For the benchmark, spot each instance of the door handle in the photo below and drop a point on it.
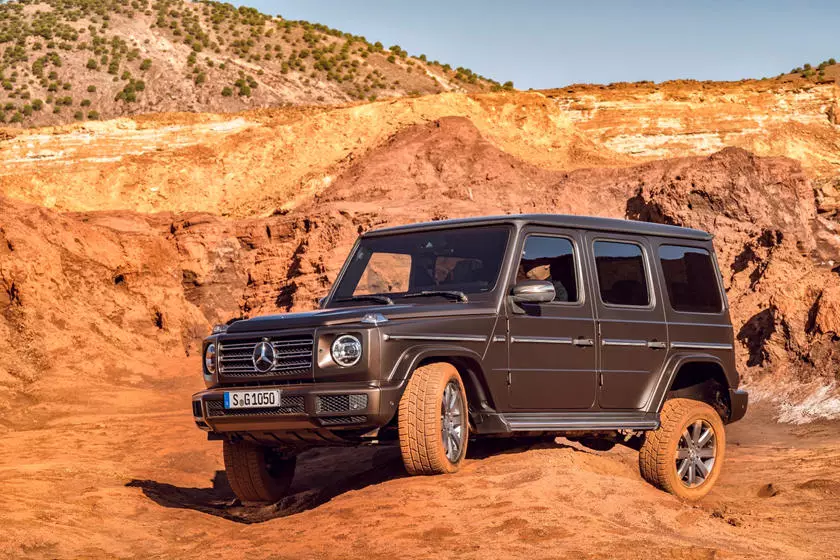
(583, 342)
(656, 345)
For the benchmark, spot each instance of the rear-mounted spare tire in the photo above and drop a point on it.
(257, 474)
(433, 421)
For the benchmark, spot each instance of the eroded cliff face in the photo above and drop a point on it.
(96, 296)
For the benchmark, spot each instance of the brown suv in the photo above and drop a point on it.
(601, 330)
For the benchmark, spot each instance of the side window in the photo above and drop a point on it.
(551, 259)
(385, 273)
(691, 279)
(621, 273)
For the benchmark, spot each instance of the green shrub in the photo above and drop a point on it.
(91, 64)
(27, 110)
(227, 92)
(85, 103)
(78, 115)
(145, 65)
(17, 117)
(93, 115)
(37, 104)
(91, 89)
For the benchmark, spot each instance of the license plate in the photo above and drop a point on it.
(261, 398)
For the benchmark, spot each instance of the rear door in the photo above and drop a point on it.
(632, 332)
(552, 354)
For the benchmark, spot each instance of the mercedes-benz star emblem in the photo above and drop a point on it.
(263, 356)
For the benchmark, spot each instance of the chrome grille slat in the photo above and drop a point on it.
(292, 357)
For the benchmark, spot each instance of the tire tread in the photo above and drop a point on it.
(418, 420)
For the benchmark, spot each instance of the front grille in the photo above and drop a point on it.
(292, 357)
(292, 404)
(335, 420)
(341, 403)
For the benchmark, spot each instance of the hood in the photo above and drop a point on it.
(342, 315)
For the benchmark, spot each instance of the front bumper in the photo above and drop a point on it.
(311, 412)
(738, 401)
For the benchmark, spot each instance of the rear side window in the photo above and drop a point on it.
(551, 259)
(691, 279)
(621, 273)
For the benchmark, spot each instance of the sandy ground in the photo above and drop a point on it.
(145, 483)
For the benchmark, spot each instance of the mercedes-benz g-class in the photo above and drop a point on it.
(433, 334)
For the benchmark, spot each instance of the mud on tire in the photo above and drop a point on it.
(666, 454)
(257, 474)
(423, 421)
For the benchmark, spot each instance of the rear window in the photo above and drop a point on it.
(691, 279)
(621, 273)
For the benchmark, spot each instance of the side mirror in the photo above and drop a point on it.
(533, 291)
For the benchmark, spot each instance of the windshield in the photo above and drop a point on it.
(466, 260)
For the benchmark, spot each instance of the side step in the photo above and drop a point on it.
(566, 421)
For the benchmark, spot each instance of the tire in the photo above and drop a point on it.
(257, 474)
(421, 421)
(683, 476)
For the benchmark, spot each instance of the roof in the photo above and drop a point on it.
(559, 220)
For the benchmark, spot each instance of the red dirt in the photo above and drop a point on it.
(100, 309)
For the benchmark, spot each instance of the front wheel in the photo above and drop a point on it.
(257, 474)
(685, 455)
(433, 421)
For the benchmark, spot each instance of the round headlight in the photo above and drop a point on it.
(210, 358)
(346, 350)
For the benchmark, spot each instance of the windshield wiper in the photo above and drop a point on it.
(371, 297)
(457, 295)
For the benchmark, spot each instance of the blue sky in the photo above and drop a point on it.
(542, 44)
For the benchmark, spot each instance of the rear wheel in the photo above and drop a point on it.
(685, 455)
(257, 474)
(433, 422)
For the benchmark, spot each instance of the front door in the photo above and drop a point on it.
(552, 352)
(633, 334)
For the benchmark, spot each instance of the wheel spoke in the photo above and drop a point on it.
(691, 473)
(687, 438)
(701, 468)
(706, 453)
(451, 400)
(705, 437)
(683, 468)
(696, 428)
(447, 443)
(456, 445)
